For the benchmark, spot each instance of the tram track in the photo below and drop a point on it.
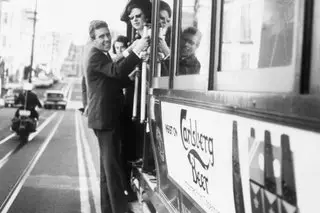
(15, 189)
(85, 152)
(7, 138)
(7, 156)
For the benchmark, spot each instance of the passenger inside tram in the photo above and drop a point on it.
(118, 47)
(189, 63)
(165, 21)
(189, 43)
(139, 15)
(165, 30)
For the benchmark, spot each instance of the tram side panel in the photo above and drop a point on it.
(169, 193)
(220, 162)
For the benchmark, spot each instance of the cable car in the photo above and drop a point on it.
(232, 112)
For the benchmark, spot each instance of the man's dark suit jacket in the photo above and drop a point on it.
(105, 80)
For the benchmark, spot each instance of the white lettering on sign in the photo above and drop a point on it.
(193, 139)
(197, 144)
(171, 130)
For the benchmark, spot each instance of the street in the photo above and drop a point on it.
(57, 170)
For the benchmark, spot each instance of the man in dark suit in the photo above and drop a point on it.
(105, 79)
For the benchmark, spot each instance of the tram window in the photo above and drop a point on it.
(259, 38)
(195, 37)
(161, 75)
(315, 63)
(257, 34)
(165, 34)
(193, 65)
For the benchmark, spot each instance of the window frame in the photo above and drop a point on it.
(195, 82)
(314, 86)
(242, 80)
(162, 82)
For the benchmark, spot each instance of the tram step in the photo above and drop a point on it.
(144, 185)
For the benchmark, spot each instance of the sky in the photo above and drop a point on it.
(74, 16)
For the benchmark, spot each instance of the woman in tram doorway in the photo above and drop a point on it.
(137, 13)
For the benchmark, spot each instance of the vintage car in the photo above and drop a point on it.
(11, 96)
(55, 99)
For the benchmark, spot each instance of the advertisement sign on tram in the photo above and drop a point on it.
(227, 163)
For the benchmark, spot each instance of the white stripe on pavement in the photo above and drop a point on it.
(26, 173)
(33, 134)
(92, 171)
(5, 159)
(7, 138)
(84, 196)
(45, 123)
(70, 91)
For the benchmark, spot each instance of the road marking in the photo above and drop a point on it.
(70, 91)
(84, 196)
(55, 182)
(5, 159)
(33, 134)
(92, 171)
(5, 206)
(45, 123)
(7, 138)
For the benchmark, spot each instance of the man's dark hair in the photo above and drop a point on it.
(94, 25)
(122, 39)
(192, 31)
(165, 6)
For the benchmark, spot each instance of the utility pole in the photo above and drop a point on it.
(2, 67)
(0, 55)
(34, 19)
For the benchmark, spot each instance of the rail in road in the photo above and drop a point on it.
(23, 159)
(56, 171)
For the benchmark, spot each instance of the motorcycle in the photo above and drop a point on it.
(24, 124)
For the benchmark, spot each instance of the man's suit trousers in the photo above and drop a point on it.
(113, 199)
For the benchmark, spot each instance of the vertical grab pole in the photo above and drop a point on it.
(143, 83)
(158, 68)
(135, 95)
(143, 91)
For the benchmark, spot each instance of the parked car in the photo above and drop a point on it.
(11, 96)
(55, 99)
